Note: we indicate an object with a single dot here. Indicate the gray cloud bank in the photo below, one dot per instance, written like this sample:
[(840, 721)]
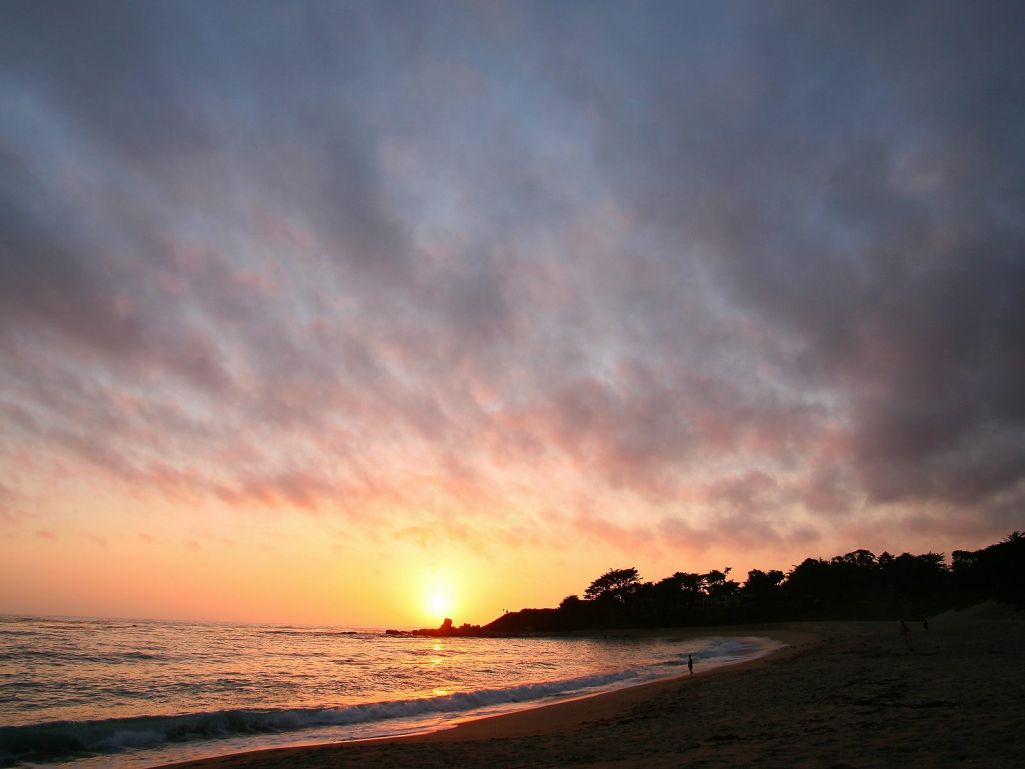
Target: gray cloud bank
[(758, 266)]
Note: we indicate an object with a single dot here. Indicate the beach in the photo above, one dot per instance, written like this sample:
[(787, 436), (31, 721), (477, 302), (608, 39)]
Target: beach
[(190, 691), (843, 694)]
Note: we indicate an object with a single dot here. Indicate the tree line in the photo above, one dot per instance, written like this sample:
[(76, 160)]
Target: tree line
[(856, 585)]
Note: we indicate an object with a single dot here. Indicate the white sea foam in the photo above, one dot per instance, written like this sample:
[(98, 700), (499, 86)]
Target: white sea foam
[(124, 696)]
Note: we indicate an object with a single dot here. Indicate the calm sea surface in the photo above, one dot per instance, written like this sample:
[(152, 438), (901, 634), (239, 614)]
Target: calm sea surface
[(87, 693)]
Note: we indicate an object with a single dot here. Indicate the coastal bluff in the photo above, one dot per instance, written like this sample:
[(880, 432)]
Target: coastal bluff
[(856, 586)]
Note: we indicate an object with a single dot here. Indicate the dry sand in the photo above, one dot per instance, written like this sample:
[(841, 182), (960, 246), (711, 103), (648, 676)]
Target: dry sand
[(843, 695)]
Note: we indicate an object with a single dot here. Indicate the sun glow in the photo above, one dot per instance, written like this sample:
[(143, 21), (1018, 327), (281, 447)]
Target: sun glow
[(438, 601), (439, 604)]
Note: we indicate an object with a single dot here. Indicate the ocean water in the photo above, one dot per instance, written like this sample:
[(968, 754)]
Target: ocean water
[(89, 693)]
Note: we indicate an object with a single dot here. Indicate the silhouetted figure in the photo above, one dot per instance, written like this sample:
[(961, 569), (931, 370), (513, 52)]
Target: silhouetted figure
[(905, 633), (690, 664), (925, 624)]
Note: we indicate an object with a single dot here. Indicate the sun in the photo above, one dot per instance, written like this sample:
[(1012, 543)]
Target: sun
[(438, 598), (439, 604)]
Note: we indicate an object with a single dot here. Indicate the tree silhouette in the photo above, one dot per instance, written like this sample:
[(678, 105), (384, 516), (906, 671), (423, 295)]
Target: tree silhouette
[(763, 588), (718, 588), (855, 585), (997, 571), (614, 584)]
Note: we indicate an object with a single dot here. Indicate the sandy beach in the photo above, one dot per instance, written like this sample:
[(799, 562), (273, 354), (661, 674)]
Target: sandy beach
[(841, 695)]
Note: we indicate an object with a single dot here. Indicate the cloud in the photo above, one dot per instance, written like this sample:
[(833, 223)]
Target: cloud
[(753, 270), (8, 503), (852, 194), (95, 539)]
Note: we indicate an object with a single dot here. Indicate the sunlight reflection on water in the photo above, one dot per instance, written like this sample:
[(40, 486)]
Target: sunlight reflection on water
[(246, 686)]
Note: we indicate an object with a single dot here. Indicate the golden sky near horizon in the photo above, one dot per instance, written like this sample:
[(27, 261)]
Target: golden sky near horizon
[(333, 312)]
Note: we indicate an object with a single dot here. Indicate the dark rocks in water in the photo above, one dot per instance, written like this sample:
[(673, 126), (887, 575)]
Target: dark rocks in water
[(516, 623), (446, 630)]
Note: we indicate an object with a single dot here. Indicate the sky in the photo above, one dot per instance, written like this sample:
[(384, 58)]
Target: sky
[(360, 313)]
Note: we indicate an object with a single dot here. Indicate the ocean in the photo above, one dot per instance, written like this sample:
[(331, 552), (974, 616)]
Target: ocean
[(129, 694)]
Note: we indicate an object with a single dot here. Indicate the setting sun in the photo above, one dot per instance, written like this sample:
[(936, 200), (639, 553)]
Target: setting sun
[(438, 602)]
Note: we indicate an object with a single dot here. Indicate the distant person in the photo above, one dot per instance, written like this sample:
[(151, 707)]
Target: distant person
[(690, 664), (905, 633), (925, 624)]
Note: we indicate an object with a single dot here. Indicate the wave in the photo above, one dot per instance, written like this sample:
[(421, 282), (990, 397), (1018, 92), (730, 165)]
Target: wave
[(73, 657), (312, 633), (66, 740)]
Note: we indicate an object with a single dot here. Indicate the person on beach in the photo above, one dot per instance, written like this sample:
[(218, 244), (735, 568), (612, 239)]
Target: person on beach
[(690, 664), (905, 633)]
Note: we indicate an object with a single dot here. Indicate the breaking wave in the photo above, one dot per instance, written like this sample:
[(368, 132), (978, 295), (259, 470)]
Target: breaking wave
[(65, 740)]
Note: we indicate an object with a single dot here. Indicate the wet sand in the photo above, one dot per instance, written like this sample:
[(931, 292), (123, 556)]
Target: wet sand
[(842, 695)]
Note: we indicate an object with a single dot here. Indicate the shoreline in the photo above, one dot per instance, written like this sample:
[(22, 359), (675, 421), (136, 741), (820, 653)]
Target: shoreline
[(554, 716), (546, 718), (847, 695)]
